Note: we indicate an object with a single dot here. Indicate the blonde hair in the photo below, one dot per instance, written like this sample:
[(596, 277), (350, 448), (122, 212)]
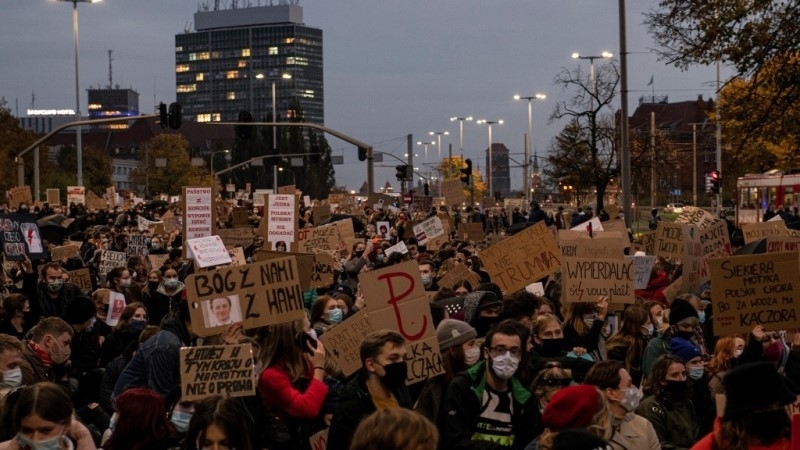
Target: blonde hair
[(600, 426), (395, 429)]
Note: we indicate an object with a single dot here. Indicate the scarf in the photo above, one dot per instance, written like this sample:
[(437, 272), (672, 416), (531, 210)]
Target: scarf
[(43, 355)]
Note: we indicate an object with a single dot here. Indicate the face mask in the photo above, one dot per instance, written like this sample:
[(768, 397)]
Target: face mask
[(138, 325), (359, 253), (59, 355), (156, 246), (649, 328), (768, 426), (426, 280), (471, 355), (12, 378), (91, 324), (171, 283), (552, 347), (632, 398), (112, 422), (737, 353), (380, 258), (589, 319), (688, 335), (53, 443), (505, 366), (773, 351), (54, 286), (696, 373), (702, 316), (395, 374), (125, 283), (335, 316), (180, 420), (676, 388)]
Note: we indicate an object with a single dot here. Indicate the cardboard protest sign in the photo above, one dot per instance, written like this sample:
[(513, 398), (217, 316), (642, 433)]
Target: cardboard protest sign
[(20, 237), (82, 278), (396, 300), (305, 264), (18, 195), (649, 242), (708, 243), (258, 294), (287, 190), (587, 247), (225, 370), (586, 280), (143, 224), (594, 224), (64, 252), (54, 197), (453, 192), (322, 273), (319, 238), (536, 288), (208, 251), (198, 212), (695, 216), (472, 230), (156, 261), (777, 244), (522, 259), (428, 229), (76, 195), (93, 201), (674, 289), (642, 267), (110, 259), (755, 231), (240, 217), (754, 290), (321, 214), (620, 227), (375, 198), (457, 273), (423, 204), (168, 219), (233, 237), (434, 243), (670, 239), (116, 305), (343, 342), (137, 245)]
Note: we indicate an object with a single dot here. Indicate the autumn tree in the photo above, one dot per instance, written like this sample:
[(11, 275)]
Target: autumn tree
[(174, 149), (451, 169), (64, 172), (13, 139)]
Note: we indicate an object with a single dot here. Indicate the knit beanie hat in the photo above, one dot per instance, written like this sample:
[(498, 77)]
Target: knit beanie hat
[(451, 332), (571, 407), (681, 309), (79, 310), (683, 349)]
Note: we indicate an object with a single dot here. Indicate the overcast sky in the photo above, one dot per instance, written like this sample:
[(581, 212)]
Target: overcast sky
[(391, 67)]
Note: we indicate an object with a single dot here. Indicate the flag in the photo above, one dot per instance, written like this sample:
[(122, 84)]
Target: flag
[(651, 81)]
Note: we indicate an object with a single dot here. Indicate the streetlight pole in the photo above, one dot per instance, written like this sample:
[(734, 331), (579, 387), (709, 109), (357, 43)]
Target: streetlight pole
[(294, 179), (438, 135), (212, 159), (592, 80), (490, 173), (461, 132), (426, 144), (79, 137), (284, 76), (529, 141)]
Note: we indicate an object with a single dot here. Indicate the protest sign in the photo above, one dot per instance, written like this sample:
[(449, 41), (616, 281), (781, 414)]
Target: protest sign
[(258, 294), (382, 229), (286, 190), (233, 237), (18, 195), (428, 229), (322, 273), (321, 214), (143, 224), (695, 216), (453, 192), (457, 273), (472, 230), (620, 227), (400, 247), (423, 204), (225, 370), (305, 264), (707, 243), (754, 290), (116, 306), (777, 244), (208, 251), (198, 212), (374, 198), (54, 197), (536, 288), (156, 261), (64, 252), (319, 238), (674, 289), (755, 231), (343, 342), (396, 300), (434, 243), (137, 245), (20, 237), (82, 278), (281, 220), (76, 195), (648, 244), (671, 239), (111, 196), (522, 259), (642, 267), (237, 256), (587, 247), (168, 219), (586, 280), (592, 224), (93, 201), (240, 217), (110, 259)]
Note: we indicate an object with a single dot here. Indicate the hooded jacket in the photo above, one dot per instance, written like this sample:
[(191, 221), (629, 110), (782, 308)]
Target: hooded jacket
[(160, 304)]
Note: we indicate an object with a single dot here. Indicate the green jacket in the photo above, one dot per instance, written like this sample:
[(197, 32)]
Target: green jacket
[(675, 422), (657, 346)]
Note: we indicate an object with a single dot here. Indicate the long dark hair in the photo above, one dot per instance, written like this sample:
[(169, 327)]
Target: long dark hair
[(658, 374), (630, 337), (228, 415), (141, 422)]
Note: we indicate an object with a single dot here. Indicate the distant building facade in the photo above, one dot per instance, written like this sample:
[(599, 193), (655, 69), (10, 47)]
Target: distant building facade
[(501, 171)]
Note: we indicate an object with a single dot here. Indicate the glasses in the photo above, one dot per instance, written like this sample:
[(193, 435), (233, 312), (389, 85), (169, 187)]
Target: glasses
[(502, 350)]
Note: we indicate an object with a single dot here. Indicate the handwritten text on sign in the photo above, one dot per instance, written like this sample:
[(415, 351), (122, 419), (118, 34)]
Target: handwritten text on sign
[(198, 212), (343, 342), (586, 280), (755, 290), (268, 293), (217, 370), (522, 259)]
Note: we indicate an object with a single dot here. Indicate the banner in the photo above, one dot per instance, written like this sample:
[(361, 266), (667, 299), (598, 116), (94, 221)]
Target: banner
[(21, 237), (586, 280), (76, 195), (225, 370)]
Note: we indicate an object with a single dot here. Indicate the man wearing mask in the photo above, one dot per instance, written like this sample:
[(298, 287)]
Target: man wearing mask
[(10, 351), (486, 407), (379, 384), (44, 356), (427, 270), (683, 320), (49, 294)]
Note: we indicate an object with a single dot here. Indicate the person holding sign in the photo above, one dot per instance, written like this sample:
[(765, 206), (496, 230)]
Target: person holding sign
[(683, 320), (549, 346)]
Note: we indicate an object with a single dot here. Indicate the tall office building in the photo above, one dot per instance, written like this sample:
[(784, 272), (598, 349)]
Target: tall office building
[(501, 179), (229, 63)]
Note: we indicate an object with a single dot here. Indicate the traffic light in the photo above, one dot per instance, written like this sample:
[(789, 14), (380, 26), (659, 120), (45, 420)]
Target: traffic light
[(244, 131), (401, 172), (715, 181), (163, 116), (708, 182), (362, 154), (467, 172), (426, 189), (409, 172), (175, 117)]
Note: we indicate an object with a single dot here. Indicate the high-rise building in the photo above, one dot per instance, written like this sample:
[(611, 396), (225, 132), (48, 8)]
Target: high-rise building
[(501, 179), (230, 62), (113, 102)]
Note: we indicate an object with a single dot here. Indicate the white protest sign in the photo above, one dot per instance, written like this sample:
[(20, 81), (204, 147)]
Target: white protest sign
[(594, 222), (536, 288), (428, 229), (116, 305), (110, 259), (281, 219), (198, 212), (642, 266), (208, 251), (76, 195), (400, 247)]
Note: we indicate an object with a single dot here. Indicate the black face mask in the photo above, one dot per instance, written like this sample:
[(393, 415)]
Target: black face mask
[(768, 426), (551, 348), (152, 286), (684, 334), (359, 253), (395, 374), (677, 389)]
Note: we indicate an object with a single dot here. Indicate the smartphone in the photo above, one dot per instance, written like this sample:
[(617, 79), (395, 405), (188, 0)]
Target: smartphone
[(304, 339)]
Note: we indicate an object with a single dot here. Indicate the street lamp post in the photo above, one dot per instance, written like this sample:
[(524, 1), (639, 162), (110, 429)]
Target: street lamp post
[(294, 179), (490, 173), (438, 135), (529, 140), (78, 138), (284, 76), (425, 144), (461, 132), (212, 159), (592, 80)]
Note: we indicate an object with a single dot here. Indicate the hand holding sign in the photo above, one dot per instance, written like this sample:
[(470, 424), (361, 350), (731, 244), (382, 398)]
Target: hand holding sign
[(602, 307)]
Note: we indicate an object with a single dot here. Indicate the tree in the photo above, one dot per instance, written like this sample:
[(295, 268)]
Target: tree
[(451, 169), (178, 172), (96, 169), (13, 139), (751, 36)]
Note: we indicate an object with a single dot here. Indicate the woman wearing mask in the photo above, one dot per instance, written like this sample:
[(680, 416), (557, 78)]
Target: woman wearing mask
[(13, 324), (628, 429), (550, 380), (43, 418), (682, 323), (153, 281), (629, 343), (549, 346), (140, 423), (119, 279), (126, 332), (667, 405), (459, 353), (325, 313), (656, 312), (727, 350), (462, 288), (585, 326), (701, 398), (167, 297)]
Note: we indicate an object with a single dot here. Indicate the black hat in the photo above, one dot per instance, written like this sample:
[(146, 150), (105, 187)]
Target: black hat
[(488, 299), (578, 439), (754, 386), (79, 310), (679, 310)]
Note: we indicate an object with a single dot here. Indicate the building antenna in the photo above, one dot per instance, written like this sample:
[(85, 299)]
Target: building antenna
[(154, 94), (110, 71), (33, 100)]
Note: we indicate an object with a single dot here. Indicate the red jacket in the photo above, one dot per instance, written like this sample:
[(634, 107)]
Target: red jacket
[(655, 289), (283, 399), (707, 443)]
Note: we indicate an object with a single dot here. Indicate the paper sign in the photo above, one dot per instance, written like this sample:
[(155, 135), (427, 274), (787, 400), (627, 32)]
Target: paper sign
[(536, 288), (54, 197), (319, 238), (586, 280), (143, 224), (233, 237), (428, 229), (137, 245), (322, 273), (754, 290), (110, 259), (670, 239), (76, 195), (382, 228), (225, 370), (458, 273), (755, 231), (453, 192), (522, 259), (400, 247), (321, 214), (208, 251), (595, 223), (198, 212), (20, 237), (343, 342), (116, 305), (305, 264), (396, 300), (642, 268), (82, 278), (281, 219), (64, 252), (259, 294)]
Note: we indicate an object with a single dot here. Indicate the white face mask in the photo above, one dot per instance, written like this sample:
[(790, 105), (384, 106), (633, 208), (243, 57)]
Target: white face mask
[(737, 353), (649, 328), (12, 378), (505, 365), (471, 355)]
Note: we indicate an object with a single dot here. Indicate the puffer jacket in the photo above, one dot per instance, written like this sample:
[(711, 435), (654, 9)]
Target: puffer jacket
[(675, 421)]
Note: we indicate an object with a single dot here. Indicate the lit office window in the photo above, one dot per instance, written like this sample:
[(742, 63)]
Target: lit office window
[(231, 95), (245, 52), (216, 117), (204, 117), (184, 88), (198, 77), (272, 51), (182, 68), (232, 74)]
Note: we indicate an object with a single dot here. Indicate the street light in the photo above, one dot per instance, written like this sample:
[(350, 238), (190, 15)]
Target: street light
[(227, 152), (438, 135), (529, 140), (284, 76), (294, 179), (426, 144), (591, 59), (461, 132), (490, 174), (78, 139)]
